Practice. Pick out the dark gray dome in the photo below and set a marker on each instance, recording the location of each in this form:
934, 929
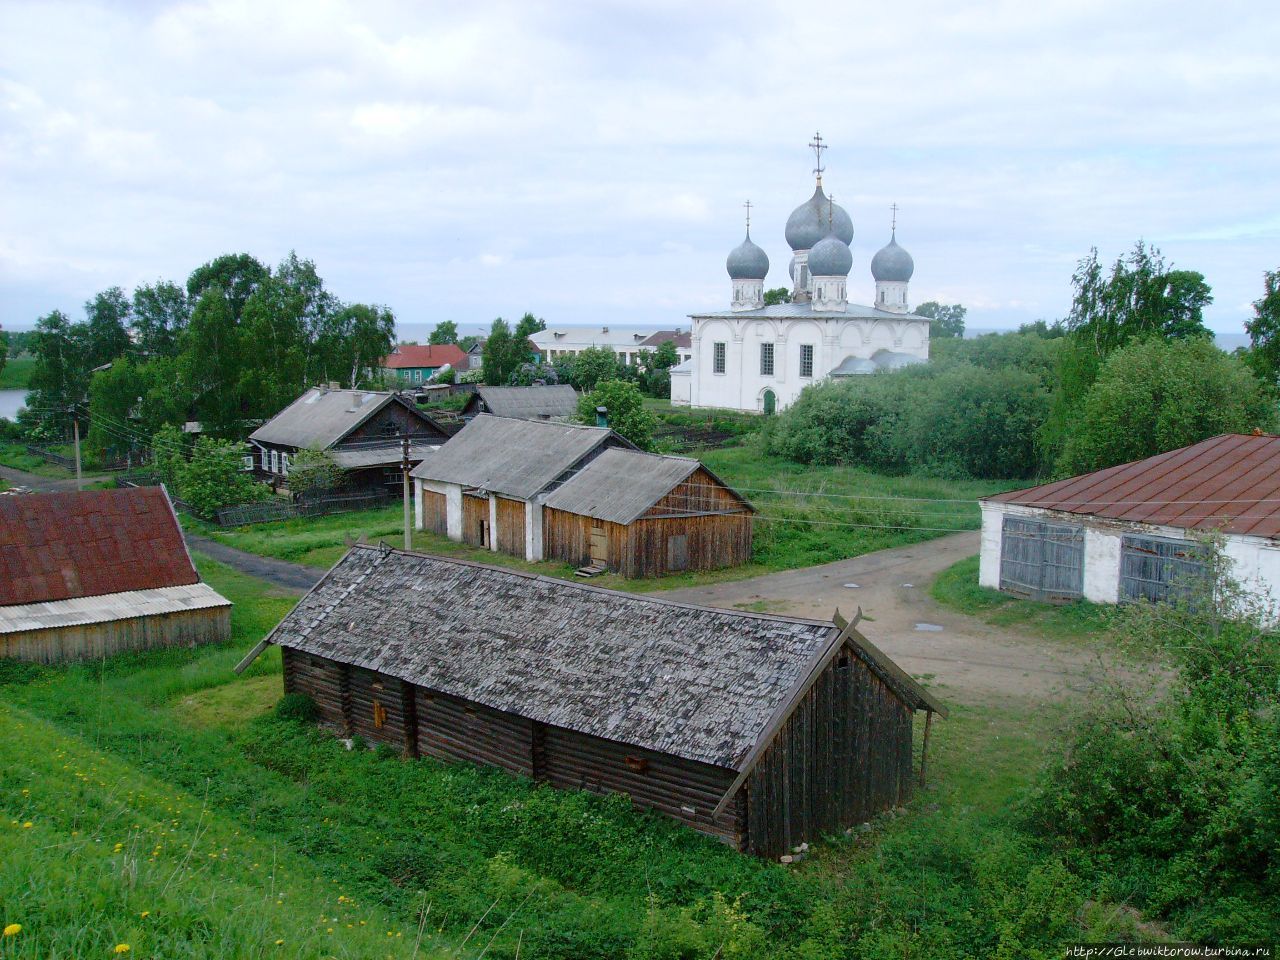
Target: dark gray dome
891, 262
747, 262
808, 222
830, 257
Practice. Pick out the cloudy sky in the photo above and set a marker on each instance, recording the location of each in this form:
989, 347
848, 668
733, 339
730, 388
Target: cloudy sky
589, 161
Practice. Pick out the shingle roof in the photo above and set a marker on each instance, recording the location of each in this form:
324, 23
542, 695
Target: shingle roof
426, 355
56, 546
530, 403
620, 485
691, 681
321, 417
518, 458
1230, 483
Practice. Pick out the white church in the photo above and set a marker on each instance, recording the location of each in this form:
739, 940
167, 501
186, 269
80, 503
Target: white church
757, 357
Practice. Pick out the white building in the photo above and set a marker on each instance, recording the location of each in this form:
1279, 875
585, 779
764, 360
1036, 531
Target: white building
1138, 530
756, 357
556, 343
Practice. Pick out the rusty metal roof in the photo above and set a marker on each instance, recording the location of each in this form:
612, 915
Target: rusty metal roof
1229, 483
57, 546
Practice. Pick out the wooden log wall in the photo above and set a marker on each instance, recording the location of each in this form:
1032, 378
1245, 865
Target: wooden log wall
510, 531
378, 707
434, 512
475, 511
841, 757
91, 641
450, 728
324, 681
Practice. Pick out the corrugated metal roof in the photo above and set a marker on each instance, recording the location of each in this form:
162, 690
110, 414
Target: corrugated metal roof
691, 681
321, 417
683, 339
1229, 483
518, 458
56, 546
620, 485
530, 403
411, 355
127, 605
380, 455
554, 338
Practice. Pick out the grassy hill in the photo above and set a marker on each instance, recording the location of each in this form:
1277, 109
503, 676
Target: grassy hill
17, 371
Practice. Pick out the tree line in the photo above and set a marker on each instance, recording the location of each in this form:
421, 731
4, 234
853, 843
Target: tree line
1130, 372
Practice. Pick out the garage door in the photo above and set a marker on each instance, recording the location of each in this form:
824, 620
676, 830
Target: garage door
1041, 560
1162, 570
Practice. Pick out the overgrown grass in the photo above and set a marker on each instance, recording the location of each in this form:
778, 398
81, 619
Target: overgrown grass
15, 455
957, 588
16, 374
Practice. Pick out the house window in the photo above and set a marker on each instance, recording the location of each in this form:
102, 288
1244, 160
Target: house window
247, 462
417, 375
766, 359
284, 464
389, 431
806, 360
275, 461
717, 358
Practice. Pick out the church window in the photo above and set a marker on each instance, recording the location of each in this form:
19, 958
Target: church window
806, 360
766, 359
718, 357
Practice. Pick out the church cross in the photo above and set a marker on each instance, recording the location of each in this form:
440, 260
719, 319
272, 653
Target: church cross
747, 204
818, 146
894, 208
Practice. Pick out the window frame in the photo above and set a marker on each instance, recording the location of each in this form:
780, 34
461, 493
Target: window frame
768, 352
719, 357
806, 359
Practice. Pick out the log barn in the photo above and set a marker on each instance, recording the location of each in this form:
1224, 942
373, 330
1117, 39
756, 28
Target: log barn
86, 575
645, 515
486, 485
761, 730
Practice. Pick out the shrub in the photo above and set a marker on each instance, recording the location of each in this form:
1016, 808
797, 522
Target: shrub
315, 472
627, 415
297, 706
214, 477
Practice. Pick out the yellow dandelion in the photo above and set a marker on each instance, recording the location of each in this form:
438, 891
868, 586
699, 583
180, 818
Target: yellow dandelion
13, 929
278, 942
144, 914
28, 825
121, 948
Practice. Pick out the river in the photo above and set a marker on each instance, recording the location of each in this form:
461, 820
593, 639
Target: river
10, 402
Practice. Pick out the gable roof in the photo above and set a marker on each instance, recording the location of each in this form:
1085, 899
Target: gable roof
528, 403
424, 355
683, 339
602, 336
321, 417
59, 546
620, 485
1229, 482
518, 458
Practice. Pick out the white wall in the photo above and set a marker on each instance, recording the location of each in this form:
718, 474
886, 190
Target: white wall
452, 505
1255, 561
681, 388
533, 530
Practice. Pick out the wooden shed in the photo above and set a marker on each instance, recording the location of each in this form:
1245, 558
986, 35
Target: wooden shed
90, 574
764, 731
645, 515
548, 402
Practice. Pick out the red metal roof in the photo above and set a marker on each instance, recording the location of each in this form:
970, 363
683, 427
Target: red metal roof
683, 339
430, 355
56, 546
1229, 483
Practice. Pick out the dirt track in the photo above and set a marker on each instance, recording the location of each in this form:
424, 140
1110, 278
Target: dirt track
966, 659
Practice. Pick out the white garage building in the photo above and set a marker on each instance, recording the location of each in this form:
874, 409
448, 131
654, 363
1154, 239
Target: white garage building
1136, 531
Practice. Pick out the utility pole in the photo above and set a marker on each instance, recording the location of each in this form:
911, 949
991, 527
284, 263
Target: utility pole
404, 470
75, 427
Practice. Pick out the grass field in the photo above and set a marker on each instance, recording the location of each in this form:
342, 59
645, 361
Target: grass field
17, 371
170, 810
15, 455
806, 516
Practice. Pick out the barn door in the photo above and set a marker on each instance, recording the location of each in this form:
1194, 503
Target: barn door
1041, 560
485, 534
599, 547
1163, 571
677, 553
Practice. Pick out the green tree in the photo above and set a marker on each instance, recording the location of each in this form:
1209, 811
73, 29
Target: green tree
236, 275
4, 349
527, 327
60, 374
593, 365
170, 447
944, 320
1264, 330
315, 473
215, 477
115, 400
1154, 395
161, 312
107, 335
354, 341
626, 413
445, 332
212, 362
502, 354
777, 295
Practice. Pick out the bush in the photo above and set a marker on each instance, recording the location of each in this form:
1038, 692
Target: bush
297, 706
627, 415
315, 473
214, 477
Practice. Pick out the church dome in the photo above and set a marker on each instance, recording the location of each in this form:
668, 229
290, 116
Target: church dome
746, 261
830, 257
891, 262
808, 223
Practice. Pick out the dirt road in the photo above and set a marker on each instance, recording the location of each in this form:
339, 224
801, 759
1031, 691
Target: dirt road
964, 658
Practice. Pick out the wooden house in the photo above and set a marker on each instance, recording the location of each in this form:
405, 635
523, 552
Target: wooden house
362, 428
411, 364
486, 485
550, 402
645, 515
87, 575
761, 730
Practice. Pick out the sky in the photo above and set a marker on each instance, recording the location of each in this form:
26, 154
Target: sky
588, 162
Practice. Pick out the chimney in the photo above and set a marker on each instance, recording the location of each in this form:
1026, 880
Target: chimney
602, 416
333, 385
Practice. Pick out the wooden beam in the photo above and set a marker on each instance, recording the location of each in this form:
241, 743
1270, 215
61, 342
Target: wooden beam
253, 654
924, 747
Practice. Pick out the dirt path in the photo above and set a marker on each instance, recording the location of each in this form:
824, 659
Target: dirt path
964, 658
20, 478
